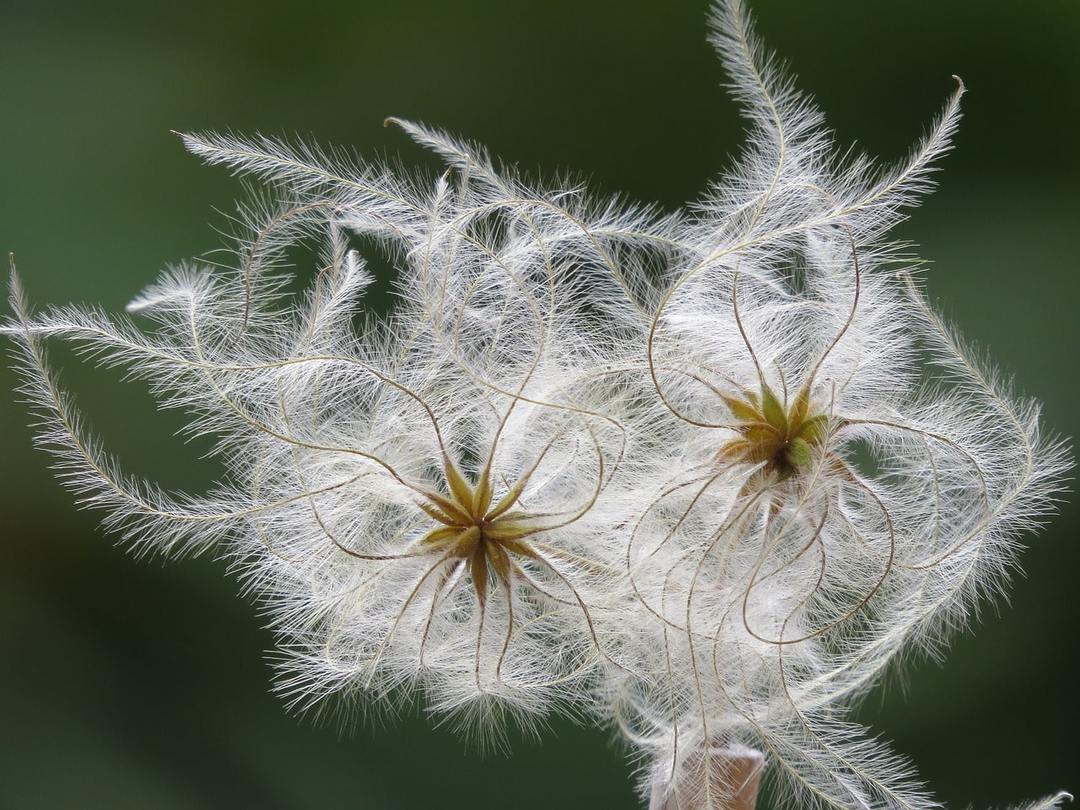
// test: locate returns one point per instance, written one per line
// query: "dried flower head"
(420, 504)
(704, 476)
(852, 480)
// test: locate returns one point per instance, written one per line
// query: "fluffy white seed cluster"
(702, 476)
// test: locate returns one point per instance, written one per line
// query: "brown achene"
(782, 439)
(474, 530)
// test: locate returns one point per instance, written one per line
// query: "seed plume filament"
(507, 496)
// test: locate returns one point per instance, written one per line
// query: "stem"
(735, 774)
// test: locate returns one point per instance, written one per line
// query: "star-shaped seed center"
(782, 440)
(475, 529)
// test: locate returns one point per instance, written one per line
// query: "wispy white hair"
(703, 476)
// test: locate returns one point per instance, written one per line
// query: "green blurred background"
(145, 685)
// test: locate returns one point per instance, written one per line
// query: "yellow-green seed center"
(472, 528)
(783, 439)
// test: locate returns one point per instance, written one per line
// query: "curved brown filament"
(519, 394)
(574, 515)
(584, 611)
(570, 557)
(401, 613)
(536, 586)
(555, 475)
(506, 573)
(355, 554)
(690, 597)
(661, 615)
(332, 358)
(814, 538)
(142, 505)
(541, 324)
(443, 591)
(851, 315)
(511, 198)
(767, 546)
(248, 260)
(742, 329)
(671, 490)
(318, 515)
(822, 741)
(652, 366)
(853, 478)
(481, 600)
(682, 416)
(927, 434)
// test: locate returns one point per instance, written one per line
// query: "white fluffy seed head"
(703, 476)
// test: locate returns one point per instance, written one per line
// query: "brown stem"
(735, 776)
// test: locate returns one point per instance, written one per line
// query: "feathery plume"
(702, 476)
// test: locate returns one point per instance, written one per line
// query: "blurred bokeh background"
(145, 685)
